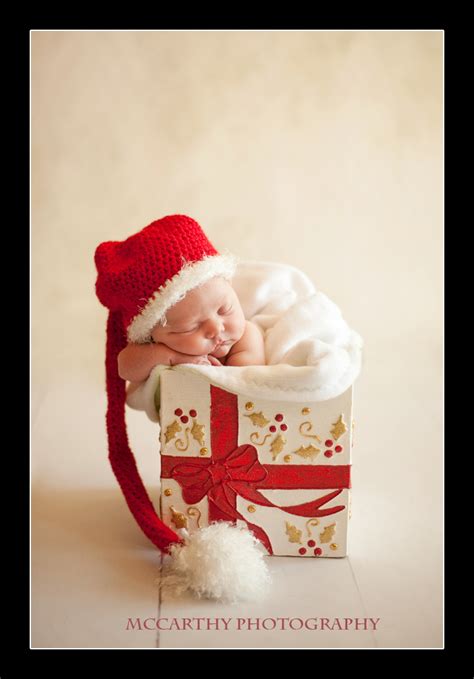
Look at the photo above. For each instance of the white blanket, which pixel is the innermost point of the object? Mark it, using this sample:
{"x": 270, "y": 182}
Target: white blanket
{"x": 311, "y": 353}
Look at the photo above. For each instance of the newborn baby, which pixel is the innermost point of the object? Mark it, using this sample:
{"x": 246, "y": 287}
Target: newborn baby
{"x": 207, "y": 327}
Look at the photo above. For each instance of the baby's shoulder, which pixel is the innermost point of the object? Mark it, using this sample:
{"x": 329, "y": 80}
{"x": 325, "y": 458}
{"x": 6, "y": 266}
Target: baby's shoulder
{"x": 252, "y": 328}
{"x": 252, "y": 334}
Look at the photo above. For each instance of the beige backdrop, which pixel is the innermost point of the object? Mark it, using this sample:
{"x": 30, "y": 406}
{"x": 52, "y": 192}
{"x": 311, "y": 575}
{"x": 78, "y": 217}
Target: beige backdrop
{"x": 323, "y": 150}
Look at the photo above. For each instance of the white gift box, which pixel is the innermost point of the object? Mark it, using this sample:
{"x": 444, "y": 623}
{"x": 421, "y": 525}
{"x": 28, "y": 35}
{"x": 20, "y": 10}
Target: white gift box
{"x": 281, "y": 467}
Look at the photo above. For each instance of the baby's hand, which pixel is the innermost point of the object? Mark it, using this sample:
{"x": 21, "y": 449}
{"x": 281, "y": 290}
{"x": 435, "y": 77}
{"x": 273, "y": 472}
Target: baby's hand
{"x": 179, "y": 358}
{"x": 206, "y": 359}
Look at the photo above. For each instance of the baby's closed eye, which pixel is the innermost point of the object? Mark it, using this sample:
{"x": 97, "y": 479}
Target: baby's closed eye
{"x": 184, "y": 332}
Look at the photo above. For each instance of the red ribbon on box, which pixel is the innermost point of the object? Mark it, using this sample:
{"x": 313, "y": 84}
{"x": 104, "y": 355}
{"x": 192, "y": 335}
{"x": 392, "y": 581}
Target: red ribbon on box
{"x": 236, "y": 470}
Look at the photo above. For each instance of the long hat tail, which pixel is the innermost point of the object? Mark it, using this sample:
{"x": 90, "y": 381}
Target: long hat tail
{"x": 120, "y": 454}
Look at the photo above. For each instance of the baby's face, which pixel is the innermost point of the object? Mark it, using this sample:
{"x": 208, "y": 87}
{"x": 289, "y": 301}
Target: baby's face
{"x": 209, "y": 320}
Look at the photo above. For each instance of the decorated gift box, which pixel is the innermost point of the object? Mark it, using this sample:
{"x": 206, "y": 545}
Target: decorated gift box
{"x": 280, "y": 467}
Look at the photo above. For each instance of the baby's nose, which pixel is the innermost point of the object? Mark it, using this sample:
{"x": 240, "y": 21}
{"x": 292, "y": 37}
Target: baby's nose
{"x": 214, "y": 327}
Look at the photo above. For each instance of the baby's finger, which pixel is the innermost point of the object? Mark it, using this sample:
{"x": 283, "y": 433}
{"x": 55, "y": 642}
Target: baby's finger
{"x": 202, "y": 360}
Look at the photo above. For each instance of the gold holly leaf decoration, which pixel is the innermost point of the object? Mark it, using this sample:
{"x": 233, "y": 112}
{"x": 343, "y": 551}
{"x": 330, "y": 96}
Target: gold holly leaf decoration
{"x": 338, "y": 428}
{"x": 328, "y": 532}
{"x": 277, "y": 445}
{"x": 258, "y": 419}
{"x": 294, "y": 535}
{"x": 178, "y": 518}
{"x": 172, "y": 430}
{"x": 197, "y": 433}
{"x": 308, "y": 451}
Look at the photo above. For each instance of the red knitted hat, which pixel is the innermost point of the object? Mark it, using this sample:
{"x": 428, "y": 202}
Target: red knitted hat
{"x": 152, "y": 270}
{"x": 138, "y": 280}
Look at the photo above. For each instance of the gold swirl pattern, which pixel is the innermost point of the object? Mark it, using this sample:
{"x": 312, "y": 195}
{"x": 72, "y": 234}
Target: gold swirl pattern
{"x": 254, "y": 438}
{"x": 311, "y": 522}
{"x": 194, "y": 511}
{"x": 180, "y": 444}
{"x": 308, "y": 428}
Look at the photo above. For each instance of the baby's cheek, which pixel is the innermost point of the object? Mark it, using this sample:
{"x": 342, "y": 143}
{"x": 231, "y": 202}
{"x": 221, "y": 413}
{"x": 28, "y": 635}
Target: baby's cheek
{"x": 190, "y": 345}
{"x": 193, "y": 345}
{"x": 178, "y": 344}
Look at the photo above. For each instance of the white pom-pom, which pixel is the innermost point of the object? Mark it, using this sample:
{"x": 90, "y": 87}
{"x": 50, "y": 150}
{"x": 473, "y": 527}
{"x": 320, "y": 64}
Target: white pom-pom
{"x": 222, "y": 561}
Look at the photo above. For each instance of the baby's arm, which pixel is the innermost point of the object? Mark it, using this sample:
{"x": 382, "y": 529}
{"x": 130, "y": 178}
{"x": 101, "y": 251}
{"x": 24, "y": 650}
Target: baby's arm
{"x": 250, "y": 349}
{"x": 136, "y": 361}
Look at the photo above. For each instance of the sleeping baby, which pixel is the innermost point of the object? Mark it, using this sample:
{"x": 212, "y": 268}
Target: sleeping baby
{"x": 206, "y": 327}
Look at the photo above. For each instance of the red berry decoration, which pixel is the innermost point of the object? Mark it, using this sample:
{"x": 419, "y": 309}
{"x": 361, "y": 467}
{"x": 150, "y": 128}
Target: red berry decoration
{"x": 283, "y": 427}
{"x": 328, "y": 443}
{"x": 279, "y": 417}
{"x": 178, "y": 412}
{"x": 338, "y": 449}
{"x": 328, "y": 453}
{"x": 273, "y": 428}
{"x": 311, "y": 543}
{"x": 193, "y": 413}
{"x": 318, "y": 551}
{"x": 184, "y": 419}
{"x": 302, "y": 550}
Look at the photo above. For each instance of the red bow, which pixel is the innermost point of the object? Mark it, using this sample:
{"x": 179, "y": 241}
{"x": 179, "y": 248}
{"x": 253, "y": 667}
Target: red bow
{"x": 241, "y": 464}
